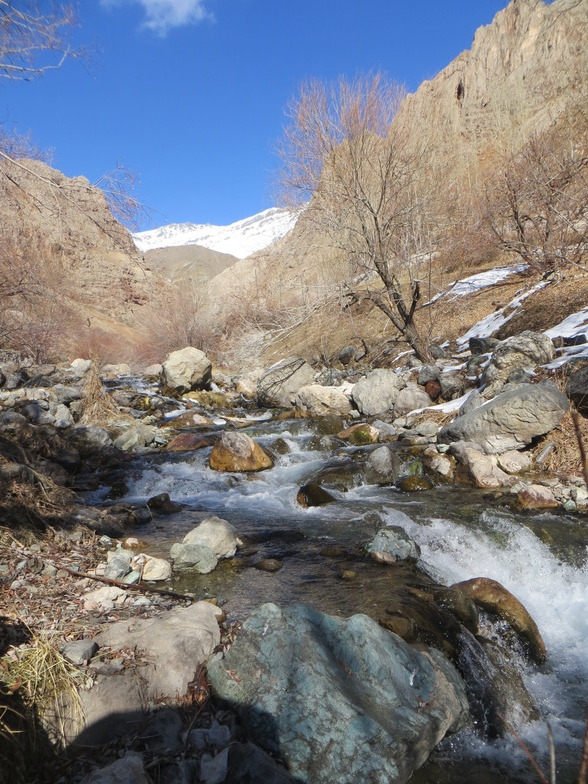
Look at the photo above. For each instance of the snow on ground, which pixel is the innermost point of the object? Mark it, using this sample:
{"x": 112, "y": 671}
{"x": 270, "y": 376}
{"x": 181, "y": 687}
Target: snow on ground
{"x": 462, "y": 288}
{"x": 240, "y": 239}
{"x": 488, "y": 325}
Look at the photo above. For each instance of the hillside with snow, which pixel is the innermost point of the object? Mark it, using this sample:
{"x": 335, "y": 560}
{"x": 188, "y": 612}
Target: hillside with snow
{"x": 239, "y": 239}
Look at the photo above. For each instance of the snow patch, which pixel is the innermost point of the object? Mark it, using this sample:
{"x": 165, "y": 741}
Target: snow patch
{"x": 239, "y": 239}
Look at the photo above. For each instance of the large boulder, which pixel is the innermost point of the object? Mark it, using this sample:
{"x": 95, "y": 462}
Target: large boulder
{"x": 280, "y": 382}
{"x": 376, "y": 393}
{"x": 322, "y": 401}
{"x": 217, "y": 534}
{"x": 186, "y": 370}
{"x": 383, "y": 467}
{"x": 524, "y": 351}
{"x": 338, "y": 700}
{"x": 511, "y": 420}
{"x": 238, "y": 452}
{"x": 577, "y": 390}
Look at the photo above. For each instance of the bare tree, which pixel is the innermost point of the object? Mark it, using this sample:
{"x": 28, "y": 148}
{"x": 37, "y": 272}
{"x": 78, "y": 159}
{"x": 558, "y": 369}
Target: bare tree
{"x": 537, "y": 205}
{"x": 34, "y": 37}
{"x": 341, "y": 151}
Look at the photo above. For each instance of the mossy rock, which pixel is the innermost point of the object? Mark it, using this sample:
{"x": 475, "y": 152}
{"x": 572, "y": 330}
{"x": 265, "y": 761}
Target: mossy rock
{"x": 413, "y": 484}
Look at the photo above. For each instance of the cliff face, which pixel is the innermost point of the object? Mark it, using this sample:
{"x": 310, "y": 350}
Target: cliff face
{"x": 524, "y": 72}
{"x": 68, "y": 223}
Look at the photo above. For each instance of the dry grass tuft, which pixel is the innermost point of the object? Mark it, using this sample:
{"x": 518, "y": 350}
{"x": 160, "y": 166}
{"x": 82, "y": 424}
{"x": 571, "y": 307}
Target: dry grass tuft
{"x": 99, "y": 407}
{"x": 564, "y": 459}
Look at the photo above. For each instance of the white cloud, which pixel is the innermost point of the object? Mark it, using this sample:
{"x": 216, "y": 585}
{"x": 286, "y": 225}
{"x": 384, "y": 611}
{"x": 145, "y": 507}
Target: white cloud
{"x": 161, "y": 16}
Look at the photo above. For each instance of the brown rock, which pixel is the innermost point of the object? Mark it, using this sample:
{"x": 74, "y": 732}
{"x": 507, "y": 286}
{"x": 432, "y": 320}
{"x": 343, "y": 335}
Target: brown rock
{"x": 238, "y": 452}
{"x": 493, "y": 597}
{"x": 433, "y": 389}
{"x": 313, "y": 494}
{"x": 360, "y": 435}
{"x": 268, "y": 565}
{"x": 536, "y": 497}
{"x": 188, "y": 442}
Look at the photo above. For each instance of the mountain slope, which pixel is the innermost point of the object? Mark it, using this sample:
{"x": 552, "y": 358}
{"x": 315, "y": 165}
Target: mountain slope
{"x": 239, "y": 239}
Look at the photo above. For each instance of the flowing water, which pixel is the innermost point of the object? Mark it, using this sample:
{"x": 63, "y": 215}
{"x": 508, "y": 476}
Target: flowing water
{"x": 540, "y": 557}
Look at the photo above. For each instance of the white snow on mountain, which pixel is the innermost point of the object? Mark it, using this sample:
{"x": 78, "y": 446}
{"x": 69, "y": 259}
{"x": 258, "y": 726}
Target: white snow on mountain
{"x": 240, "y": 239}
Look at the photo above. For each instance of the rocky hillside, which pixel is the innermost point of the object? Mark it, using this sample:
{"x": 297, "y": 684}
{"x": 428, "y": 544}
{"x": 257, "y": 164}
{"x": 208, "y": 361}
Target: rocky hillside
{"x": 527, "y": 72}
{"x": 65, "y": 227}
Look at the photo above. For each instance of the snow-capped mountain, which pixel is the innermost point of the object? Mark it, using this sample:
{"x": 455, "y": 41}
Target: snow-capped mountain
{"x": 240, "y": 239}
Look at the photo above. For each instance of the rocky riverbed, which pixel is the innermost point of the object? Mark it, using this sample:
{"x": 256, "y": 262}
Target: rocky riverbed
{"x": 304, "y": 502}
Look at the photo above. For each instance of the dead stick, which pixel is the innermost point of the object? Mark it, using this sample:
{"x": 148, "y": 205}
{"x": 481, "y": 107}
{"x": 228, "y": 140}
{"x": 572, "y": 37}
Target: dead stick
{"x": 129, "y": 586}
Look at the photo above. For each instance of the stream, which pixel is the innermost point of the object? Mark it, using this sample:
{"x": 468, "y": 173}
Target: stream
{"x": 540, "y": 557}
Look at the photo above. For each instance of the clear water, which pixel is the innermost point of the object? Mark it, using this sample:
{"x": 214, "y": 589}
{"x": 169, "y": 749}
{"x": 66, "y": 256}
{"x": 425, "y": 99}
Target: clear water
{"x": 541, "y": 558}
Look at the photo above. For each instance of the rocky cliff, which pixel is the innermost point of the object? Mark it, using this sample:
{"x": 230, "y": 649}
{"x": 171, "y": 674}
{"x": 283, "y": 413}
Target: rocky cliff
{"x": 68, "y": 223}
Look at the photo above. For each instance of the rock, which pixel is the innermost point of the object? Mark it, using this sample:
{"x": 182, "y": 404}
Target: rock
{"x": 152, "y": 569}
{"x": 443, "y": 465}
{"x": 127, "y": 770}
{"x": 577, "y": 390}
{"x": 188, "y": 442}
{"x": 320, "y": 401}
{"x": 360, "y": 435}
{"x": 514, "y": 462}
{"x": 162, "y": 731}
{"x": 186, "y": 370}
{"x": 247, "y": 387}
{"x": 247, "y": 763}
{"x": 396, "y": 542}
{"x": 339, "y": 700}
{"x": 117, "y": 568}
{"x": 493, "y": 597}
{"x": 279, "y": 383}
{"x": 268, "y": 565}
{"x": 238, "y": 452}
{"x": 104, "y": 599}
{"x": 483, "y": 469}
{"x": 162, "y": 504}
{"x": 536, "y": 497}
{"x": 81, "y": 366}
{"x": 479, "y": 345}
{"x": 525, "y": 351}
{"x": 453, "y": 385}
{"x": 174, "y": 643}
{"x": 383, "y": 467}
{"x": 137, "y": 436}
{"x": 312, "y": 494}
{"x": 433, "y": 389}
{"x": 217, "y": 534}
{"x": 511, "y": 420}
{"x": 376, "y": 393}
{"x": 428, "y": 373}
{"x": 193, "y": 556}
{"x": 410, "y": 398}
{"x": 79, "y": 652}
{"x": 413, "y": 484}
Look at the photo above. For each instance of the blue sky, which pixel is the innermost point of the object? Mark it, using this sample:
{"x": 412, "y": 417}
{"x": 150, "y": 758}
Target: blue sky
{"x": 190, "y": 94}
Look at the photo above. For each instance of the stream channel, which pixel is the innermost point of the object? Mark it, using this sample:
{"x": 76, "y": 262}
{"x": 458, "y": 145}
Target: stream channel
{"x": 541, "y": 557}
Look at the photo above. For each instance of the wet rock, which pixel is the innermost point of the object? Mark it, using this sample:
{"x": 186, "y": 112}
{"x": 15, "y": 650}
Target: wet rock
{"x": 383, "y": 467}
{"x": 238, "y": 452}
{"x": 493, "y": 597}
{"x": 376, "y": 393}
{"x": 320, "y": 401}
{"x": 268, "y": 565}
{"x": 162, "y": 504}
{"x": 279, "y": 383}
{"x": 339, "y": 700}
{"x": 188, "y": 442}
{"x": 393, "y": 541}
{"x": 536, "y": 497}
{"x": 186, "y": 370}
{"x": 217, "y": 534}
{"x": 401, "y": 625}
{"x": 360, "y": 435}
{"x": 511, "y": 420}
{"x": 413, "y": 484}
{"x": 312, "y": 494}
{"x": 410, "y": 398}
